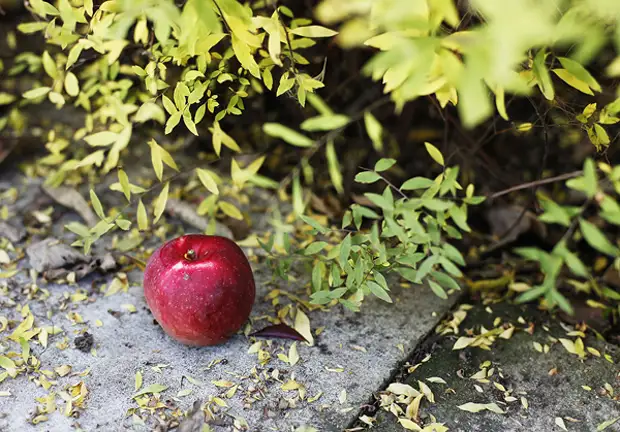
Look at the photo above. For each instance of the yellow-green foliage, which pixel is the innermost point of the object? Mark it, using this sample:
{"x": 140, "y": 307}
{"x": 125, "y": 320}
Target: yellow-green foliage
{"x": 424, "y": 49}
{"x": 131, "y": 65}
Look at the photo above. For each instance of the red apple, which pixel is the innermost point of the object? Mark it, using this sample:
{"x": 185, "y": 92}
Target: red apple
{"x": 200, "y": 288}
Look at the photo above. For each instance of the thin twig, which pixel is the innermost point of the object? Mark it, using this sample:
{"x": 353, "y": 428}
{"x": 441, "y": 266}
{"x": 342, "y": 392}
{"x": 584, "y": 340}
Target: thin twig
{"x": 389, "y": 183}
{"x": 536, "y": 183}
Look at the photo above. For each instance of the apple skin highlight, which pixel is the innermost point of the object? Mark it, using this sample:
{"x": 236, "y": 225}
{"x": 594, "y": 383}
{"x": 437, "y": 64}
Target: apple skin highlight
{"x": 200, "y": 288}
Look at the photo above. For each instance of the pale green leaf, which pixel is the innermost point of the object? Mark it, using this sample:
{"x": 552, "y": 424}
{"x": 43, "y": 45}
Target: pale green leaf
{"x": 597, "y": 239}
{"x": 325, "y": 122}
{"x": 367, "y": 177}
{"x": 374, "y": 131}
{"x": 160, "y": 203}
{"x": 101, "y": 139}
{"x": 207, "y": 180}
{"x": 72, "y": 86}
{"x": 434, "y": 153}
{"x": 573, "y": 81}
{"x": 333, "y": 167}
{"x": 287, "y": 134}
{"x": 313, "y": 31}
{"x": 94, "y": 199}
{"x": 153, "y": 388}
{"x": 384, "y": 164}
{"x": 124, "y": 182}
{"x": 143, "y": 219}
{"x": 36, "y": 93}
{"x": 230, "y": 210}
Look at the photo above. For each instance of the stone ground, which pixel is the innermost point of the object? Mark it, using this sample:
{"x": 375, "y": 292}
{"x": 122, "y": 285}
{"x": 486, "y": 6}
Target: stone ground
{"x": 84, "y": 376}
{"x": 536, "y": 384}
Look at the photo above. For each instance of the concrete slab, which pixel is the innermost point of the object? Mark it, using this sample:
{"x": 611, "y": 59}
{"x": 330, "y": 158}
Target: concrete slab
{"x": 551, "y": 390}
{"x": 88, "y": 384}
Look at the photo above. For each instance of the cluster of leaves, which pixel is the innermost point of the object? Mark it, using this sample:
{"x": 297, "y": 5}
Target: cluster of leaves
{"x": 427, "y": 48}
{"x": 604, "y": 200}
{"x": 130, "y": 64}
{"x": 402, "y": 230}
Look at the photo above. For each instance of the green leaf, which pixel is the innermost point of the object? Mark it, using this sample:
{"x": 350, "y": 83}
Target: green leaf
{"x": 72, "y": 86}
{"x": 313, "y": 31}
{"x": 325, "y": 122}
{"x": 434, "y": 153}
{"x": 437, "y": 289}
{"x": 6, "y": 98}
{"x": 191, "y": 126}
{"x": 589, "y": 178}
{"x": 554, "y": 213}
{"x": 159, "y": 155}
{"x": 297, "y": 192}
{"x": 124, "y": 182}
{"x": 244, "y": 55}
{"x": 384, "y": 164}
{"x": 573, "y": 81}
{"x": 345, "y": 250}
{"x": 169, "y": 105}
{"x": 292, "y": 137}
{"x": 94, "y": 199}
{"x": 532, "y": 294}
{"x": 573, "y": 262}
{"x": 315, "y": 247}
{"x": 314, "y": 224}
{"x": 153, "y": 388}
{"x": 579, "y": 72}
{"x": 49, "y": 65}
{"x": 173, "y": 121}
{"x": 542, "y": 75}
{"x": 453, "y": 254}
{"x": 160, "y": 203}
{"x": 374, "y": 131}
{"x": 449, "y": 266}
{"x": 101, "y": 139}
{"x": 417, "y": 183}
{"x": 459, "y": 216}
{"x": 378, "y": 291}
{"x": 532, "y": 253}
{"x": 597, "y": 239}
{"x": 380, "y": 201}
{"x": 333, "y": 166}
{"x": 78, "y": 228}
{"x": 200, "y": 113}
{"x": 397, "y": 230}
{"x": 143, "y": 219}
{"x": 604, "y": 425}
{"x": 230, "y": 210}
{"x": 367, "y": 177}
{"x": 207, "y": 180}
{"x": 123, "y": 224}
{"x": 425, "y": 268}
{"x": 474, "y": 104}
{"x": 36, "y": 93}
{"x": 561, "y": 301}
{"x": 317, "y": 279}
{"x": 285, "y": 84}
{"x": 445, "y": 281}
{"x": 601, "y": 134}
{"x": 74, "y": 55}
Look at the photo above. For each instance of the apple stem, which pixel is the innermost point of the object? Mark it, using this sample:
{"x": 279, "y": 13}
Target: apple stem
{"x": 190, "y": 255}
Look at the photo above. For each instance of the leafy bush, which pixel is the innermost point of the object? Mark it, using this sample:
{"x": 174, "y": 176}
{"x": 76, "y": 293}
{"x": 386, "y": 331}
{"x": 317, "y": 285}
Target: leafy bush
{"x": 577, "y": 227}
{"x": 137, "y": 68}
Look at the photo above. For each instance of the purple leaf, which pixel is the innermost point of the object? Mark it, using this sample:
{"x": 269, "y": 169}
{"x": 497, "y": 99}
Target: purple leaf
{"x": 279, "y": 331}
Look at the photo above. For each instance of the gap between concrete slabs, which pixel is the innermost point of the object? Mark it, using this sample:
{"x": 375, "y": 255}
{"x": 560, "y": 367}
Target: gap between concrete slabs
{"x": 346, "y": 374}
